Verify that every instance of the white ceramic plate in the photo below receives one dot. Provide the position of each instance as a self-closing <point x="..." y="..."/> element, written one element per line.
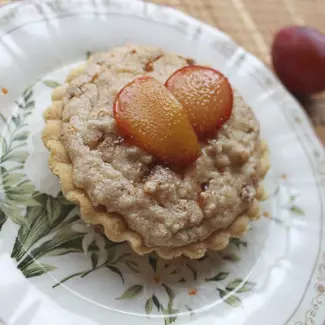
<point x="56" y="270"/>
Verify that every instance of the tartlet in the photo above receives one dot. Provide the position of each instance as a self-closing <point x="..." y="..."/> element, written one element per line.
<point x="153" y="206"/>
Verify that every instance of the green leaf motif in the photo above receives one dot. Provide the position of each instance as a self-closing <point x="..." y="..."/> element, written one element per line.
<point x="171" y="310"/>
<point x="27" y="236"/>
<point x="16" y="119"/>
<point x="116" y="270"/>
<point x="65" y="250"/>
<point x="170" y="320"/>
<point x="94" y="260"/>
<point x="27" y="94"/>
<point x="131" y="292"/>
<point x="2" y="218"/>
<point x="219" y="277"/>
<point x="51" y="83"/>
<point x="132" y="266"/>
<point x="9" y="180"/>
<point x="193" y="271"/>
<point x="17" y="190"/>
<point x="297" y="211"/>
<point x="30" y="104"/>
<point x="121" y="258"/>
<point x="190" y="310"/>
<point x="84" y="274"/>
<point x="238" y="242"/>
<point x="66" y="279"/>
<point x="20" y="194"/>
<point x="22" y="136"/>
<point x="62" y="200"/>
<point x="88" y="55"/>
<point x="153" y="262"/>
<point x="33" y="200"/>
<point x="231" y="300"/>
<point x="231" y="257"/>
<point x="36" y="269"/>
<point x="244" y="286"/>
<point x="276" y="191"/>
<point x="149" y="305"/>
<point x="170" y="292"/>
<point x="53" y="209"/>
<point x="16" y="156"/>
<point x="64" y="238"/>
<point x="293" y="197"/>
<point x="168" y="312"/>
<point x="13" y="212"/>
<point x="111" y="252"/>
<point x="156" y="302"/>
<point x="4" y="146"/>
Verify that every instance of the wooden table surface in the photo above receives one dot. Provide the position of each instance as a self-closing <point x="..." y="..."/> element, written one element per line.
<point x="252" y="24"/>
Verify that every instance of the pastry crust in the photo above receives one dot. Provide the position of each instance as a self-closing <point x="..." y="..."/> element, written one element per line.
<point x="114" y="224"/>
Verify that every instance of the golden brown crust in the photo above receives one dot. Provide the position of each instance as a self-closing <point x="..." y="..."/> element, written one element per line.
<point x="114" y="226"/>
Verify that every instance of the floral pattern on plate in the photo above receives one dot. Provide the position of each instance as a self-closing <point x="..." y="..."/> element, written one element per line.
<point x="50" y="227"/>
<point x="44" y="245"/>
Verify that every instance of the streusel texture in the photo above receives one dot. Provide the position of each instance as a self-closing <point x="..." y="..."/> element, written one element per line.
<point x="153" y="206"/>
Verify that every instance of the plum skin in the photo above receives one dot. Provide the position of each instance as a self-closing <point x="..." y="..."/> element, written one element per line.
<point x="298" y="55"/>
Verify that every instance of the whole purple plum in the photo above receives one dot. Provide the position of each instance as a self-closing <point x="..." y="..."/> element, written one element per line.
<point x="298" y="55"/>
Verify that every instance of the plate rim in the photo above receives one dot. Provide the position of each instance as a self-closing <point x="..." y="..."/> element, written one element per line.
<point x="308" y="128"/>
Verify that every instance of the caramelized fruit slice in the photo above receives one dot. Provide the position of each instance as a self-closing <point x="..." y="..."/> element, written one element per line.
<point x="205" y="94"/>
<point x="150" y="117"/>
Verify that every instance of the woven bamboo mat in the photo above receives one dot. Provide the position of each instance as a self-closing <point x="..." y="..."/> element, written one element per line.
<point x="252" y="24"/>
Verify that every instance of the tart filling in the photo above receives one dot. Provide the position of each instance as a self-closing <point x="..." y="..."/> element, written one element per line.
<point x="153" y="191"/>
